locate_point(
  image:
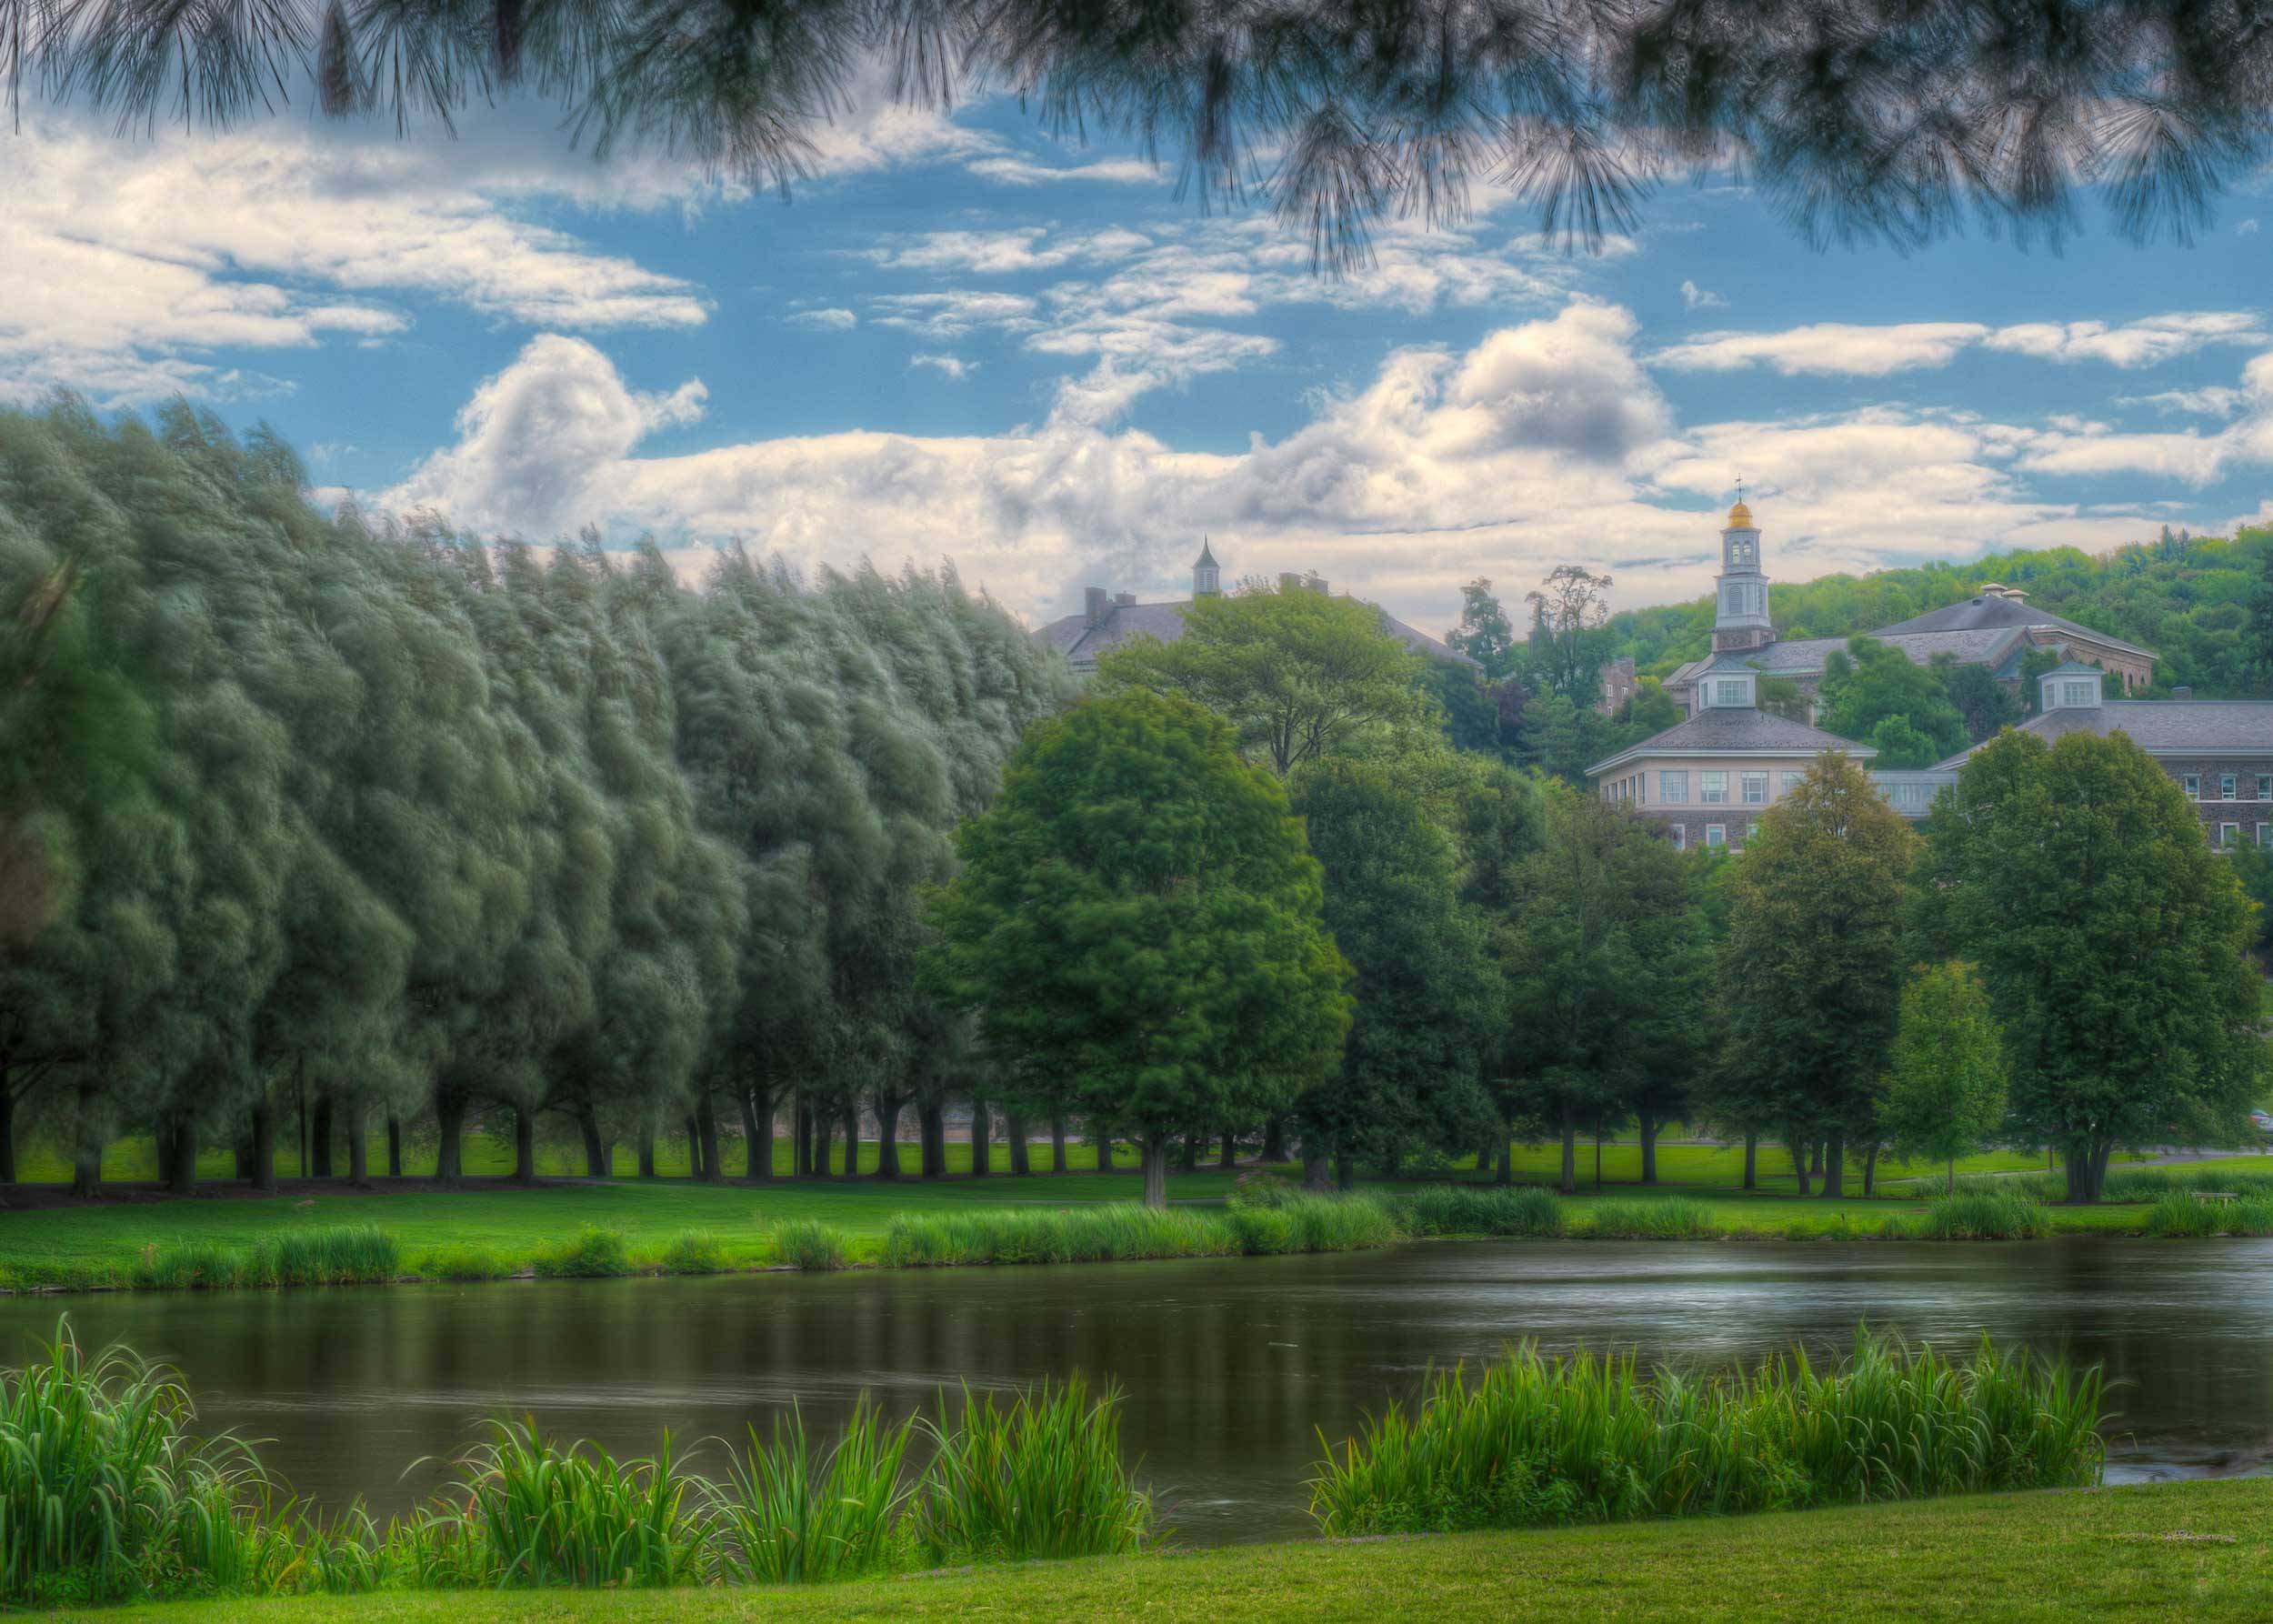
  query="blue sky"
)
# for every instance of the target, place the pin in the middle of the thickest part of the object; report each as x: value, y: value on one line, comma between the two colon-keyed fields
x: 962, y: 339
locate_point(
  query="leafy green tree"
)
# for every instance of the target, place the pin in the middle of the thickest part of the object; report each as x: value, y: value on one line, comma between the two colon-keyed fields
x: 1137, y: 917
x: 1650, y: 712
x: 1603, y: 965
x: 1297, y: 673
x: 1485, y: 633
x: 1870, y: 685
x: 1983, y: 702
x: 1425, y: 1001
x: 2111, y: 940
x: 1946, y: 1096
x: 1811, y: 973
x: 1567, y: 648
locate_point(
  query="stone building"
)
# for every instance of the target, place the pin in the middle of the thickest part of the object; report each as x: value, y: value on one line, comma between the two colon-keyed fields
x: 2219, y: 750
x: 1996, y: 627
x: 1108, y: 618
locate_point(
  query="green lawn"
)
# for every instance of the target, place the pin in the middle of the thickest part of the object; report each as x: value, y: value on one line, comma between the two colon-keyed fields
x: 2191, y: 1551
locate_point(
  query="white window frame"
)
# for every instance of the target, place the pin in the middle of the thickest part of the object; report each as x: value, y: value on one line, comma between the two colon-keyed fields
x: 1681, y: 837
x: 1715, y: 836
x: 2074, y: 691
x: 2265, y: 786
x: 1728, y: 691
x: 1747, y: 782
x: 2265, y: 834
x: 2228, y: 835
x: 1671, y: 793
x: 1709, y: 794
x: 2229, y: 787
x: 1791, y: 781
x: 2192, y: 784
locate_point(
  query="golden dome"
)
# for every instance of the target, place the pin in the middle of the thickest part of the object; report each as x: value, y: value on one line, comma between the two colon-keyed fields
x: 1740, y: 518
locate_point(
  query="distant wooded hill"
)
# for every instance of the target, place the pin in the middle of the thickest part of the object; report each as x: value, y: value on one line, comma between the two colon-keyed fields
x: 2185, y: 597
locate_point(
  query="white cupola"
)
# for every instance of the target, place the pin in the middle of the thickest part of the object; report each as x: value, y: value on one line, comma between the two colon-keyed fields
x: 2072, y: 686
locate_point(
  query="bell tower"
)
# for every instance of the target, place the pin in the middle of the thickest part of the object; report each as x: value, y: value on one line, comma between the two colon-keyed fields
x: 1207, y: 577
x: 1740, y: 619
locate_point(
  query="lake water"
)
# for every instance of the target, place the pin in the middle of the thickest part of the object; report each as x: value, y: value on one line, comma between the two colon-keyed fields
x: 1231, y: 1368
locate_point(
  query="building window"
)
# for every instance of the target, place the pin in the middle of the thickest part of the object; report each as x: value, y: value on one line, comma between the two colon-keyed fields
x: 1681, y: 836
x: 2192, y: 784
x: 1755, y: 789
x: 2224, y: 786
x: 2228, y: 835
x: 1791, y: 782
x: 1715, y: 789
x: 1673, y: 789
x: 1716, y: 836
x: 2265, y: 833
x: 2265, y: 786
x: 1751, y: 831
x: 1728, y: 690
x: 2073, y: 692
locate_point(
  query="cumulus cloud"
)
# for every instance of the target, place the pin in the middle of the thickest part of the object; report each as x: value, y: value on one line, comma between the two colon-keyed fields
x: 995, y: 253
x: 1544, y: 443
x: 1853, y: 350
x: 1700, y: 299
x: 951, y: 367
x: 2191, y: 457
x: 952, y: 315
x: 830, y: 319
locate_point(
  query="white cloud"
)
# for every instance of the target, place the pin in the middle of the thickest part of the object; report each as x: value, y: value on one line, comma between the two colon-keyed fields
x: 2211, y: 401
x: 1700, y: 299
x: 2142, y: 343
x: 952, y: 315
x: 951, y: 367
x: 1828, y: 348
x: 2191, y: 457
x: 996, y: 252
x: 128, y: 264
x: 1024, y: 172
x: 2247, y: 228
x: 830, y: 319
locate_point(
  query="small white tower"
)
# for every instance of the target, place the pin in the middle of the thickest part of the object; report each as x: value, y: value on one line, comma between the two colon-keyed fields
x: 1207, y: 580
x: 1740, y: 619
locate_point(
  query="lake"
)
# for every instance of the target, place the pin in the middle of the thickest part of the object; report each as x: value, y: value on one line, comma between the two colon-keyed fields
x: 1231, y: 1367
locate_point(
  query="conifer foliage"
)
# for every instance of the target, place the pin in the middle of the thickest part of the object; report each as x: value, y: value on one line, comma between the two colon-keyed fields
x: 381, y: 820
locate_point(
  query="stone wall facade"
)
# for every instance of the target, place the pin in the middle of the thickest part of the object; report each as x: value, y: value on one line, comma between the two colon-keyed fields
x: 1690, y: 827
x: 2249, y: 809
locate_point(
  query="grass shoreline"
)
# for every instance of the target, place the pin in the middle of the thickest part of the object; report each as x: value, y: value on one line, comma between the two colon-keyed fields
x: 568, y: 1243
x: 2196, y: 1550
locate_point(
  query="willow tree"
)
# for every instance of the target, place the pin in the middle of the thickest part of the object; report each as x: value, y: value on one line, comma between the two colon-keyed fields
x: 1138, y: 917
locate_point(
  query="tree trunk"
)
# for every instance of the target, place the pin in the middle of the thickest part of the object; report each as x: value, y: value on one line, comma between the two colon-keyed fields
x: 243, y: 1149
x: 1230, y: 1151
x: 359, y: 1144
x: 982, y: 1139
x: 449, y: 1120
x: 1815, y: 1157
x: 1504, y: 1170
x: 393, y: 1146
x: 1105, y: 1150
x: 1870, y: 1171
x: 300, y: 1085
x: 800, y: 1138
x: 1021, y: 1153
x: 86, y: 1170
x: 645, y: 1148
x: 1274, y: 1141
x: 263, y: 1146
x: 1835, y: 1168
x: 594, y: 1147
x: 1799, y: 1166
x: 1569, y: 1185
x: 1187, y: 1154
x: 1317, y: 1174
x: 1649, y: 1128
x: 525, y: 1144
x: 887, y: 1135
x: 181, y: 1173
x: 320, y: 1143
x: 1345, y: 1171
x: 757, y: 1132
x: 694, y: 1146
x: 931, y: 1132
x: 707, y: 1123
x: 824, y: 1135
x: 1058, y: 1142
x: 1752, y: 1161
x: 1155, y: 1169
x: 852, y: 1140
x: 2086, y: 1162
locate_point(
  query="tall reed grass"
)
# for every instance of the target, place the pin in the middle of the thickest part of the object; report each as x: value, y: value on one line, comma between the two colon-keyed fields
x: 1481, y: 1209
x: 1041, y: 1476
x: 1984, y: 1214
x: 783, y: 1516
x: 1589, y: 1439
x: 1673, y: 1218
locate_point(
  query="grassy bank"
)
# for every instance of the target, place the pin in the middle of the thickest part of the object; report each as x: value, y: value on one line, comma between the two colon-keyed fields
x: 664, y: 1226
x: 2191, y: 1550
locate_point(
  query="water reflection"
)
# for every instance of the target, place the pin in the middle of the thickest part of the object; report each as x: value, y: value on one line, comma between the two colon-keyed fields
x: 1231, y: 1368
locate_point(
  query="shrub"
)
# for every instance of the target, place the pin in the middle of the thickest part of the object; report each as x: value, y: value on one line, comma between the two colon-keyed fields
x: 1041, y: 1478
x: 1261, y: 1231
x: 1481, y: 1209
x: 2178, y: 1213
x: 1673, y: 1219
x: 593, y: 1254
x: 463, y: 1263
x: 1339, y: 1223
x: 1984, y: 1215
x: 695, y: 1252
x: 807, y: 1244
x: 1588, y: 1439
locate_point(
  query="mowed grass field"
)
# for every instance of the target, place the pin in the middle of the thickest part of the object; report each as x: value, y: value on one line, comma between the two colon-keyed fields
x: 2197, y: 1551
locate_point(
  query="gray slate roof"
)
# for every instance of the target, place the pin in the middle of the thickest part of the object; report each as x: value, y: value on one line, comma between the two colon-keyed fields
x: 2162, y: 726
x: 1804, y: 657
x: 1989, y: 611
x: 1082, y: 643
x: 1737, y: 729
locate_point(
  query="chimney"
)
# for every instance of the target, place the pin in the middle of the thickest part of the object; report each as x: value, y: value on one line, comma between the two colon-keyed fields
x: 2184, y: 691
x: 1095, y: 605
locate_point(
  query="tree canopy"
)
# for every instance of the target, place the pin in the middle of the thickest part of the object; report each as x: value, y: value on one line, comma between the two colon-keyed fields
x: 1858, y: 119
x: 1137, y: 924
x: 1945, y: 1092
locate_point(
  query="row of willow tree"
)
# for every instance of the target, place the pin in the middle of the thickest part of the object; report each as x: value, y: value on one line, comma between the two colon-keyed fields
x: 379, y: 821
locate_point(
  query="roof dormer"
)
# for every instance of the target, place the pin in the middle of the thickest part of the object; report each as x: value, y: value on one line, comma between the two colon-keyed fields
x: 2072, y: 686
